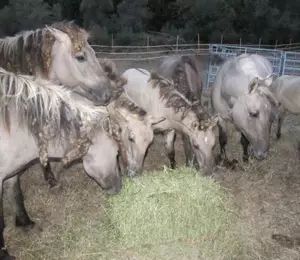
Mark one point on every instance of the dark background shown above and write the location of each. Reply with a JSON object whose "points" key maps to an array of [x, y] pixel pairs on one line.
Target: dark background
{"points": [[130, 21]]}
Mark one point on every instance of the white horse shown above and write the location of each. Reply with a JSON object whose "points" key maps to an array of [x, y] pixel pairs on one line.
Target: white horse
{"points": [[241, 95], [287, 91], [34, 112], [159, 97], [59, 53]]}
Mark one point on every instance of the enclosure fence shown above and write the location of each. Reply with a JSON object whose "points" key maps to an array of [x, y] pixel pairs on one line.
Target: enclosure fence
{"points": [[285, 58]]}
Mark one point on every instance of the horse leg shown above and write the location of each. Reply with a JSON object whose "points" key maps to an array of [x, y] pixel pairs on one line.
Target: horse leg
{"points": [[3, 251], [49, 175], [245, 144], [16, 198], [190, 160], [222, 140], [170, 138], [279, 123]]}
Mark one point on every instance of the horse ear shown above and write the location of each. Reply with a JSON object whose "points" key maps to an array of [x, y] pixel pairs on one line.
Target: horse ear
{"points": [[121, 81], [214, 120], [270, 96], [60, 36], [193, 78], [253, 85], [268, 81]]}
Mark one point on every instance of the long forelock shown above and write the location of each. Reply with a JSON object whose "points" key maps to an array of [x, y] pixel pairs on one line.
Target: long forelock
{"points": [[124, 101], [39, 103]]}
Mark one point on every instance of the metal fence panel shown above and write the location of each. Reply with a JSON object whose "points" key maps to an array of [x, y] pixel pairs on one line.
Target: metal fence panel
{"points": [[291, 63], [276, 58]]}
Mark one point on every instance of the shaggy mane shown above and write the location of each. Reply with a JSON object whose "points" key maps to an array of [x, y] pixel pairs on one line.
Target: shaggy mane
{"points": [[29, 52], [173, 67], [39, 103], [122, 100], [174, 98]]}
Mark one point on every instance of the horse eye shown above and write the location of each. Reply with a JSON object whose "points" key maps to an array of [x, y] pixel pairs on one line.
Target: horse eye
{"points": [[80, 57], [131, 137], [254, 114]]}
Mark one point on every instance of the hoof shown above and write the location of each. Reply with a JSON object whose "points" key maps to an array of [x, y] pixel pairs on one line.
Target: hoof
{"points": [[245, 159], [278, 136], [27, 223], [53, 183], [4, 255], [56, 188]]}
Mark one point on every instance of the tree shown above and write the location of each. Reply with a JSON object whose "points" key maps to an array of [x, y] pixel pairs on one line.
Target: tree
{"points": [[21, 15]]}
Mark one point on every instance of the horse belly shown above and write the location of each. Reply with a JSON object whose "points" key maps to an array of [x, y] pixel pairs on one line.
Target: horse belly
{"points": [[17, 149]]}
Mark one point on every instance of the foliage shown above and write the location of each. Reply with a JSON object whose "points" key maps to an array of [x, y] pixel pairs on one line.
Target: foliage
{"points": [[128, 21]]}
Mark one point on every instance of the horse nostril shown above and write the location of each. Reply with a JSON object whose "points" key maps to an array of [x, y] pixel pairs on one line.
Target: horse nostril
{"points": [[107, 95], [260, 155]]}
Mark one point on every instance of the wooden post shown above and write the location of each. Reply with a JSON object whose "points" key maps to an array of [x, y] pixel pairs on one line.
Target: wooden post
{"points": [[259, 43], [221, 39], [198, 41], [147, 43], [240, 41], [290, 43], [112, 42], [276, 44], [177, 40]]}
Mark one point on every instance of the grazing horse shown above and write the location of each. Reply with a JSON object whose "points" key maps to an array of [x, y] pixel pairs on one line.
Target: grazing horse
{"points": [[185, 72], [135, 125], [241, 95], [33, 110], [59, 53], [287, 91], [159, 97]]}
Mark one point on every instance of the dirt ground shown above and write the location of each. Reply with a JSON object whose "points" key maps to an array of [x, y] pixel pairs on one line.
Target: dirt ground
{"points": [[267, 192]]}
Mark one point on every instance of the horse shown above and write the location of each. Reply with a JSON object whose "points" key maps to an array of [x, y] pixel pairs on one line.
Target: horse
{"points": [[185, 72], [159, 97], [241, 95], [286, 90], [136, 126], [33, 110], [59, 53]]}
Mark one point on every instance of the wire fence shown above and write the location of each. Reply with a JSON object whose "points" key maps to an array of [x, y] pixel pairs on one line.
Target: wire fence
{"points": [[152, 52]]}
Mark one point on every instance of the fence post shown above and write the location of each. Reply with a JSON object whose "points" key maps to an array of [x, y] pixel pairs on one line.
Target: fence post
{"points": [[221, 39], [147, 43], [276, 44], [177, 39], [112, 42], [198, 42], [259, 43], [290, 43]]}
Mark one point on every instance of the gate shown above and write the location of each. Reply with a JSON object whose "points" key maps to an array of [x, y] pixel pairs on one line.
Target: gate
{"points": [[291, 63], [275, 57]]}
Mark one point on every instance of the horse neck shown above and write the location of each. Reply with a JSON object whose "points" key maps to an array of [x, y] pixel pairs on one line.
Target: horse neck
{"points": [[21, 57]]}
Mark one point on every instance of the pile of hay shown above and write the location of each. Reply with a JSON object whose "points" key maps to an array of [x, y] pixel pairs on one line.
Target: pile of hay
{"points": [[175, 214]]}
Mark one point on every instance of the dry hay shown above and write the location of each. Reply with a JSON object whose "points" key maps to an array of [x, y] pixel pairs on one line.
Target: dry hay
{"points": [[167, 208]]}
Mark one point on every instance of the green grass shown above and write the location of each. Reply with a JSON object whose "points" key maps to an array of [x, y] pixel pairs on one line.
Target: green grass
{"points": [[162, 214]]}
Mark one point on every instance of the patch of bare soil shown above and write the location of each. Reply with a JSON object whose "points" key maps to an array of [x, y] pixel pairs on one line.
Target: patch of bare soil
{"points": [[268, 193]]}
